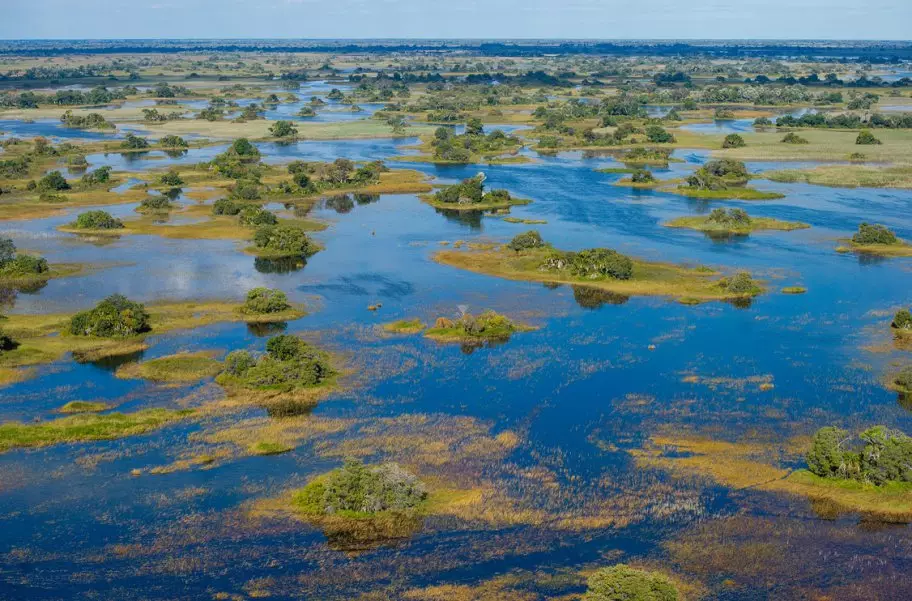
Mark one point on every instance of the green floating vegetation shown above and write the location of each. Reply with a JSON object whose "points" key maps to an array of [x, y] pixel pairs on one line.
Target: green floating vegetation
{"points": [[487, 327], [734, 222], [88, 427], [181, 367], [269, 448], [525, 221], [471, 196], [794, 290], [358, 506], [722, 179], [289, 364], [84, 407], [624, 583], [529, 258], [879, 240], [405, 326]]}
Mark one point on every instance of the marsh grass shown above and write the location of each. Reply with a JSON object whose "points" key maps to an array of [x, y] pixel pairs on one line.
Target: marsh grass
{"points": [[525, 221], [726, 194], [793, 290], [182, 367], [648, 278], [900, 249], [473, 206], [847, 176], [702, 223], [88, 427], [55, 270], [84, 407], [405, 326]]}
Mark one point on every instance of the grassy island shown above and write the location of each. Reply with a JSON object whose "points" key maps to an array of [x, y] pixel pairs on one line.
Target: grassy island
{"points": [[182, 367], [733, 221], [488, 327], [360, 506], [469, 195], [722, 179], [876, 239], [529, 258], [405, 326]]}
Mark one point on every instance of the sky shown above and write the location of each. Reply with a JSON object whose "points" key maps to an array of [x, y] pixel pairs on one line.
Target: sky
{"points": [[590, 19]]}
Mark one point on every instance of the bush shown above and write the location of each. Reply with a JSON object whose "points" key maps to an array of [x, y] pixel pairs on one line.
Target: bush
{"points": [[642, 176], [872, 233], [97, 220], [658, 135], [6, 342], [227, 206], [154, 204], [257, 216], [289, 363], [283, 129], [114, 317], [526, 240], [262, 301], [793, 138], [53, 182], [733, 141], [735, 217], [24, 265], [623, 583], [740, 283], [284, 240], [866, 137], [592, 263], [902, 320], [762, 122], [100, 176], [238, 362], [357, 490], [171, 178], [172, 141], [879, 456], [134, 142]]}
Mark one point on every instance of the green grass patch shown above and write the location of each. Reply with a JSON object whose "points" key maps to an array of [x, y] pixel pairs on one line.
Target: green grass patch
{"points": [[83, 407], [737, 193], [794, 290], [182, 367], [703, 223], [269, 448], [901, 249], [405, 326], [88, 427]]}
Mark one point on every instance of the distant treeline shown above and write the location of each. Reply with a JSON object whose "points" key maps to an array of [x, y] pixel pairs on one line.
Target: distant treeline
{"points": [[830, 79], [874, 52], [846, 121]]}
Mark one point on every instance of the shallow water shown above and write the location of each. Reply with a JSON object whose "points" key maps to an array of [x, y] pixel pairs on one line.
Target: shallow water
{"points": [[75, 521]]}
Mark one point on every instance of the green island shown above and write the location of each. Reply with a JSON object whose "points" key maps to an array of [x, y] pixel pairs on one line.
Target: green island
{"points": [[733, 221], [84, 407], [485, 328], [528, 257], [721, 179], [180, 367], [878, 240], [473, 146], [901, 325], [358, 506], [470, 195], [405, 326], [18, 269]]}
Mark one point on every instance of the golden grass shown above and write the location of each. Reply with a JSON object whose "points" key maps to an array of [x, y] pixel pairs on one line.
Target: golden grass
{"points": [[847, 176], [901, 249], [742, 465], [405, 326], [259, 129], [649, 278], [83, 407], [703, 224]]}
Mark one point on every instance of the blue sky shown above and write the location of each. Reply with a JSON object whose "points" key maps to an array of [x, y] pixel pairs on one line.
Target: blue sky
{"points": [[602, 19]]}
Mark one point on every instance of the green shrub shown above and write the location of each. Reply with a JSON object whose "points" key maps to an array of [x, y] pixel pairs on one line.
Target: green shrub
{"points": [[6, 342], [592, 263], [53, 182], [718, 175], [114, 317], [880, 455], [733, 141], [356, 490], [623, 583], [257, 216], [24, 265], [289, 363], [902, 320], [97, 220], [154, 204], [828, 457], [731, 217], [762, 122], [238, 362], [658, 135], [227, 206], [903, 380], [172, 141], [261, 301], [171, 178], [793, 138], [866, 137], [284, 240], [526, 240], [283, 129], [642, 176], [134, 142], [740, 283], [100, 176], [872, 233]]}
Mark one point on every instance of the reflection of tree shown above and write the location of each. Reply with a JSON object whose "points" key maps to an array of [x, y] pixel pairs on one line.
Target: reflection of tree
{"points": [[870, 258], [340, 203], [904, 400], [132, 157], [282, 265], [594, 298], [469, 218], [175, 154], [742, 303], [366, 199], [114, 361], [352, 536], [262, 330]]}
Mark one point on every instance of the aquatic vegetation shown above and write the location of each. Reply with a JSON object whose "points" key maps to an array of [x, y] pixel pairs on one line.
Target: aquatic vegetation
{"points": [[793, 290], [182, 367], [733, 221], [88, 427], [289, 364], [96, 220], [263, 301], [598, 268], [849, 176], [114, 317], [468, 329], [84, 407], [624, 583], [405, 326]]}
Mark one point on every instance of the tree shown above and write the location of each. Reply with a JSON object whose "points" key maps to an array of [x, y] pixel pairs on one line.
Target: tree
{"points": [[866, 137], [474, 127], [261, 301], [526, 240], [793, 138], [134, 142], [114, 317], [658, 135], [902, 320], [97, 220], [733, 141], [873, 233], [7, 251], [623, 583], [283, 129], [171, 178], [53, 182], [398, 123], [827, 457]]}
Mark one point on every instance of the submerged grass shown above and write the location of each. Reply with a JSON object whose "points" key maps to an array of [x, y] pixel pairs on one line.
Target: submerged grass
{"points": [[80, 428]]}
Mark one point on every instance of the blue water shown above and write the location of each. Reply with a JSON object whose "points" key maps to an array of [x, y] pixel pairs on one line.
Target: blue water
{"points": [[76, 522]]}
